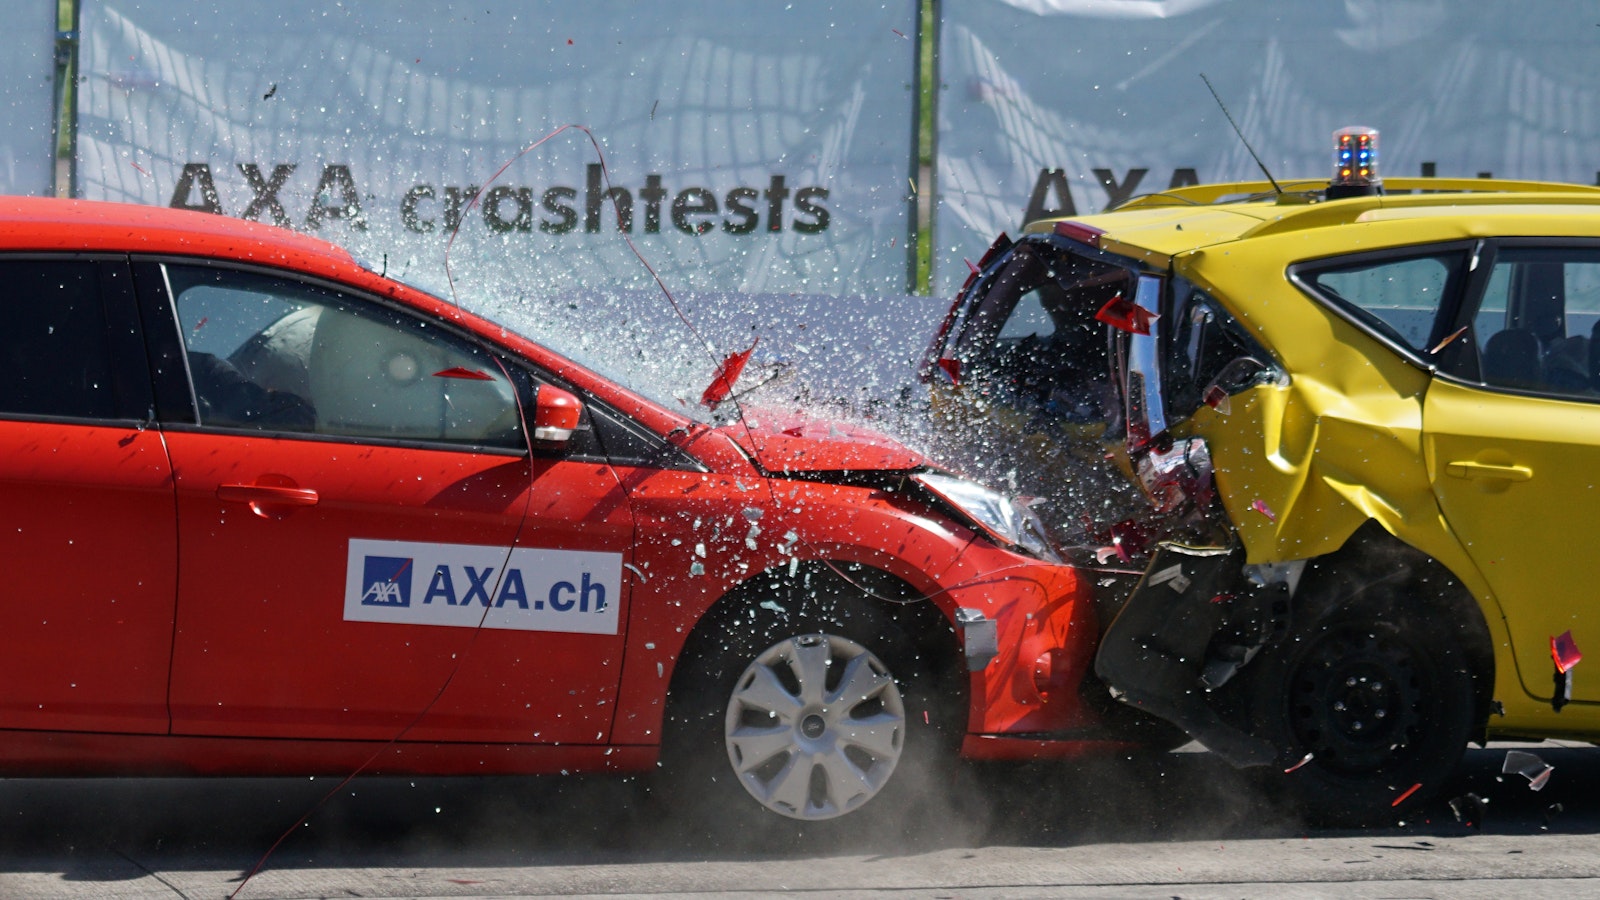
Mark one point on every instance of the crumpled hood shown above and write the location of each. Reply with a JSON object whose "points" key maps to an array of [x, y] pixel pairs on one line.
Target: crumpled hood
{"points": [[789, 442]]}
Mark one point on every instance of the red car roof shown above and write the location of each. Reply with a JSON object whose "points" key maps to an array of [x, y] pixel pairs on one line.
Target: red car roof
{"points": [[47, 223]]}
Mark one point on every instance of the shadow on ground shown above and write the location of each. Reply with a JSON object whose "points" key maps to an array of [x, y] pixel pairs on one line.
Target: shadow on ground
{"points": [[472, 822]]}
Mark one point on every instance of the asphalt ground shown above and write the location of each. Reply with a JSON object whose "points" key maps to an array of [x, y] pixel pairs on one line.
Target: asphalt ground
{"points": [[1176, 825]]}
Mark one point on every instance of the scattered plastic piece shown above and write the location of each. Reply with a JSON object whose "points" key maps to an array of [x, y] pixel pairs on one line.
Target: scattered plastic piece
{"points": [[1303, 760], [1550, 813], [1261, 506], [1564, 651], [951, 368], [1565, 654], [1529, 766], [1434, 351], [1469, 809], [1409, 791], [728, 372], [1125, 315], [1217, 399]]}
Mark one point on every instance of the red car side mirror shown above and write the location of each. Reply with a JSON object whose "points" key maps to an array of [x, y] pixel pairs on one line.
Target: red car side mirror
{"points": [[555, 414]]}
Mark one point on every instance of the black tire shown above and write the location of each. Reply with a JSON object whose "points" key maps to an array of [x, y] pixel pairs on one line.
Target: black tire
{"points": [[825, 761], [1381, 700]]}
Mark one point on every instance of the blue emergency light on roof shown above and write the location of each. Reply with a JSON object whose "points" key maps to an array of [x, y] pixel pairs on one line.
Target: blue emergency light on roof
{"points": [[1355, 163]]}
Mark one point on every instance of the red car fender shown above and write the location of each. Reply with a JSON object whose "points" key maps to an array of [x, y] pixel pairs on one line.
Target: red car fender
{"points": [[1040, 610]]}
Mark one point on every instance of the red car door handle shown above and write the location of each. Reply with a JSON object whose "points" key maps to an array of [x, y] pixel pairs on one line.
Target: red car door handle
{"points": [[261, 493]]}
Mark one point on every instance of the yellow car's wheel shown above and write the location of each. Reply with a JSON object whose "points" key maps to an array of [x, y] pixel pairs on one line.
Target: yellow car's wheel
{"points": [[1376, 703]]}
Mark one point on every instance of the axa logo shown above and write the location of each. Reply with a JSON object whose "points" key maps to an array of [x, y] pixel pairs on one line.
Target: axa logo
{"points": [[483, 586], [589, 595], [387, 580]]}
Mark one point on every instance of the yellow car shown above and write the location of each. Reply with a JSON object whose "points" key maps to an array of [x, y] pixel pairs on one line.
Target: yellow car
{"points": [[1345, 436]]}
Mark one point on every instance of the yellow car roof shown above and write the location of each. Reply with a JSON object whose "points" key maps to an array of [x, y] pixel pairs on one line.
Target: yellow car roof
{"points": [[1156, 227]]}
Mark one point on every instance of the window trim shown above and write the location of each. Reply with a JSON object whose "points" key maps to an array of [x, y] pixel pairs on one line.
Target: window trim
{"points": [[130, 388], [1457, 283], [156, 301], [1487, 254]]}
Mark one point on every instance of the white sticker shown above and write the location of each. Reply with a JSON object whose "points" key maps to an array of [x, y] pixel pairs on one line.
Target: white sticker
{"points": [[532, 589]]}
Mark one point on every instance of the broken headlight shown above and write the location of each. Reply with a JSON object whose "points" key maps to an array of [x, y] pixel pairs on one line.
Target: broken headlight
{"points": [[1006, 520]]}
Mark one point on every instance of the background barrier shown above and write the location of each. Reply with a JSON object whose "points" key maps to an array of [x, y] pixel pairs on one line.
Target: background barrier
{"points": [[764, 146]]}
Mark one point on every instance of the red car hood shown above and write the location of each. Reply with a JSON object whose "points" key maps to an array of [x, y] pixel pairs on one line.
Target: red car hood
{"points": [[785, 442]]}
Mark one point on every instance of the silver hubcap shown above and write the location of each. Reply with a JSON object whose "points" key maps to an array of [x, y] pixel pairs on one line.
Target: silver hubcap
{"points": [[815, 726]]}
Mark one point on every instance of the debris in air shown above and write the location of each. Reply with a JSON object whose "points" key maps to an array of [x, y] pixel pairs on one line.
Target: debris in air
{"points": [[1529, 766], [1409, 791], [1125, 315], [1434, 350], [1261, 506], [1550, 813], [728, 372], [1564, 650], [1469, 809], [1565, 654], [1303, 760], [270, 91], [1217, 399]]}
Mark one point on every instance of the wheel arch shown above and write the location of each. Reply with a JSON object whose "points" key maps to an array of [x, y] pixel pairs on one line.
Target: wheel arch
{"points": [[1375, 567], [931, 633]]}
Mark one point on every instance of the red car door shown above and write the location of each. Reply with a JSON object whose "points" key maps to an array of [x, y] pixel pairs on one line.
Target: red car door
{"points": [[360, 524], [87, 531]]}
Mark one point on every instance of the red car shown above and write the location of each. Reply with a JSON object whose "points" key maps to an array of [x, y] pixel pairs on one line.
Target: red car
{"points": [[268, 512]]}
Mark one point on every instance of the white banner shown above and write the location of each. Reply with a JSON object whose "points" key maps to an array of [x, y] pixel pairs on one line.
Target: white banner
{"points": [[27, 81], [752, 145], [1056, 107], [474, 586]]}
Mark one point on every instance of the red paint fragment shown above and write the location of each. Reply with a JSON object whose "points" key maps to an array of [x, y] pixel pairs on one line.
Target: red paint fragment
{"points": [[1261, 506], [1564, 651], [1125, 315], [569, 42], [951, 369], [465, 374], [899, 32], [1217, 399], [728, 372], [1409, 791], [1306, 759]]}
